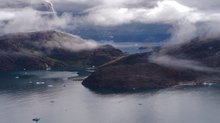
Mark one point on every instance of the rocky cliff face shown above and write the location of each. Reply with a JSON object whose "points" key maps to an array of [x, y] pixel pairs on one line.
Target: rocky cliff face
{"points": [[196, 62], [38, 50]]}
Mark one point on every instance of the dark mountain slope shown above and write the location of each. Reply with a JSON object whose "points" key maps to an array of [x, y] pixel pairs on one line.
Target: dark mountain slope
{"points": [[38, 50], [196, 62]]}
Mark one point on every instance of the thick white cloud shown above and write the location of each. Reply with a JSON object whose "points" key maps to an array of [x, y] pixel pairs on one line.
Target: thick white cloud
{"points": [[33, 15], [28, 19], [200, 4], [4, 15], [167, 11], [182, 14], [205, 5], [188, 21]]}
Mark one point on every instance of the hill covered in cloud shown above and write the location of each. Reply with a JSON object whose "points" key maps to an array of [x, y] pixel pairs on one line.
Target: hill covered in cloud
{"points": [[39, 50]]}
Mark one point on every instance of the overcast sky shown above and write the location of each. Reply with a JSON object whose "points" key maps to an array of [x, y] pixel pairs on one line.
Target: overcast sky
{"points": [[186, 16], [114, 12]]}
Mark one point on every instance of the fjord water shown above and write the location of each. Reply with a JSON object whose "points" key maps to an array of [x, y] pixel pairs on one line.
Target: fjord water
{"points": [[59, 97]]}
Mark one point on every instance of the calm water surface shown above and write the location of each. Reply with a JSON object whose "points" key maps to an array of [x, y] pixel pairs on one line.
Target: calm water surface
{"points": [[59, 97]]}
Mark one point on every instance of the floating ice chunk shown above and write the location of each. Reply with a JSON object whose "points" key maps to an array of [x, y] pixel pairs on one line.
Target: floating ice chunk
{"points": [[40, 83], [17, 77], [50, 86], [188, 84], [90, 71], [208, 84]]}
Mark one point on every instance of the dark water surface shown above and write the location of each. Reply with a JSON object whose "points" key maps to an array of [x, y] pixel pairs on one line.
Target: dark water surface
{"points": [[59, 97]]}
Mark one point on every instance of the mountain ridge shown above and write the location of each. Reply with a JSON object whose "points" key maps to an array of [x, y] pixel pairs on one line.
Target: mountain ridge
{"points": [[37, 50]]}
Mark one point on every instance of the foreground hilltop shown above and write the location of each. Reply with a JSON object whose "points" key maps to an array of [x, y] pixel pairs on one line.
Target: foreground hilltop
{"points": [[39, 50], [196, 62]]}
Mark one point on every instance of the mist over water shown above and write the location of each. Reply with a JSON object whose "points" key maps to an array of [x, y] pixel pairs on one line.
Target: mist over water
{"points": [[26, 95]]}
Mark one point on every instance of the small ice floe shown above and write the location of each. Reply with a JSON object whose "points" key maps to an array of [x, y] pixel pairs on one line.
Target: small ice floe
{"points": [[208, 84], [40, 83], [91, 69], [30, 82], [50, 86], [36, 120], [17, 77], [187, 84]]}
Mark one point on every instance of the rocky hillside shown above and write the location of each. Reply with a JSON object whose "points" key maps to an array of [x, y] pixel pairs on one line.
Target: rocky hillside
{"points": [[39, 50], [196, 62]]}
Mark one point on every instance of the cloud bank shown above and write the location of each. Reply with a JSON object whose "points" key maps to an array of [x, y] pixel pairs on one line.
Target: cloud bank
{"points": [[189, 19], [23, 16]]}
